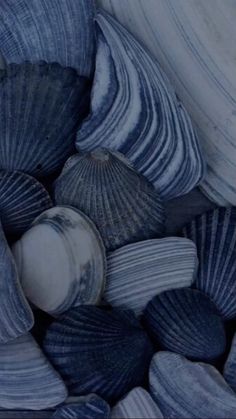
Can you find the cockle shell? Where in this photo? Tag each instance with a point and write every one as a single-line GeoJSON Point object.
{"type": "Point", "coordinates": [230, 366]}
{"type": "Point", "coordinates": [88, 407]}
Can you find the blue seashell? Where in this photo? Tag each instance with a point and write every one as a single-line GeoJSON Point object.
{"type": "Point", "coordinates": [41, 106]}
{"type": "Point", "coordinates": [137, 404]}
{"type": "Point", "coordinates": [98, 351]}
{"type": "Point", "coordinates": [139, 271]}
{"type": "Point", "coordinates": [61, 261]}
{"type": "Point", "coordinates": [230, 366]}
{"type": "Point", "coordinates": [59, 31]}
{"type": "Point", "coordinates": [121, 202]}
{"type": "Point", "coordinates": [134, 110]}
{"type": "Point", "coordinates": [186, 321]}
{"type": "Point", "coordinates": [27, 380]}
{"type": "Point", "coordinates": [183, 389]}
{"type": "Point", "coordinates": [87, 407]}
{"type": "Point", "coordinates": [214, 234]}
{"type": "Point", "coordinates": [22, 199]}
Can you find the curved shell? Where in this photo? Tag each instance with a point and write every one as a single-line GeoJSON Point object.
{"type": "Point", "coordinates": [230, 366]}
{"type": "Point", "coordinates": [134, 110]}
{"type": "Point", "coordinates": [186, 321]}
{"type": "Point", "coordinates": [22, 199]}
{"type": "Point", "coordinates": [41, 107]}
{"type": "Point", "coordinates": [139, 271]}
{"type": "Point", "coordinates": [99, 351]}
{"type": "Point", "coordinates": [214, 234]}
{"type": "Point", "coordinates": [88, 407]}
{"type": "Point", "coordinates": [61, 261]}
{"type": "Point", "coordinates": [183, 389]}
{"type": "Point", "coordinates": [59, 31]}
{"type": "Point", "coordinates": [121, 202]}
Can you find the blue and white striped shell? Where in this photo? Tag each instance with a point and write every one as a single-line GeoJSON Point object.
{"type": "Point", "coordinates": [87, 407]}
{"type": "Point", "coordinates": [230, 366]}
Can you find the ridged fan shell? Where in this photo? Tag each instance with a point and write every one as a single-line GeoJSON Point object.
{"type": "Point", "coordinates": [230, 366]}
{"type": "Point", "coordinates": [88, 407]}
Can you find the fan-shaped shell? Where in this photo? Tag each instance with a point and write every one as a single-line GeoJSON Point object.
{"type": "Point", "coordinates": [139, 271]}
{"type": "Point", "coordinates": [230, 366]}
{"type": "Point", "coordinates": [186, 321]}
{"type": "Point", "coordinates": [41, 106]}
{"type": "Point", "coordinates": [214, 234]}
{"type": "Point", "coordinates": [121, 202]}
{"type": "Point", "coordinates": [61, 261]}
{"type": "Point", "coordinates": [99, 351]}
{"type": "Point", "coordinates": [87, 407]}
{"type": "Point", "coordinates": [183, 389]}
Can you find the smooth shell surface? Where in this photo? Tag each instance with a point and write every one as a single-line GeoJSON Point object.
{"type": "Point", "coordinates": [99, 351]}
{"type": "Point", "coordinates": [186, 321]}
{"type": "Point", "coordinates": [61, 261]}
{"type": "Point", "coordinates": [139, 271]}
{"type": "Point", "coordinates": [122, 203]}
{"type": "Point", "coordinates": [134, 110]}
{"type": "Point", "coordinates": [41, 107]}
{"type": "Point", "coordinates": [183, 389]}
{"type": "Point", "coordinates": [230, 366]}
{"type": "Point", "coordinates": [88, 407]}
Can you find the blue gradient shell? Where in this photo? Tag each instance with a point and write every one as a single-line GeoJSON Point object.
{"type": "Point", "coordinates": [230, 366]}
{"type": "Point", "coordinates": [88, 407]}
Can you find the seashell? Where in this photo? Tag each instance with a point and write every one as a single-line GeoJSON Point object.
{"type": "Point", "coordinates": [137, 404]}
{"type": "Point", "coordinates": [59, 31]}
{"type": "Point", "coordinates": [98, 351]}
{"type": "Point", "coordinates": [16, 317]}
{"type": "Point", "coordinates": [134, 110]}
{"type": "Point", "coordinates": [87, 407]}
{"type": "Point", "coordinates": [230, 366]}
{"type": "Point", "coordinates": [37, 134]}
{"type": "Point", "coordinates": [186, 321]}
{"type": "Point", "coordinates": [27, 379]}
{"type": "Point", "coordinates": [61, 261]}
{"type": "Point", "coordinates": [184, 389]}
{"type": "Point", "coordinates": [214, 234]}
{"type": "Point", "coordinates": [25, 414]}
{"type": "Point", "coordinates": [121, 202]}
{"type": "Point", "coordinates": [139, 271]}
{"type": "Point", "coordinates": [22, 199]}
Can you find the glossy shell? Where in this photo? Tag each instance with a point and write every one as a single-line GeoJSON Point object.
{"type": "Point", "coordinates": [88, 407]}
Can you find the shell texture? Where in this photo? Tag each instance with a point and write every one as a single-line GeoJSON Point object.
{"type": "Point", "coordinates": [230, 366]}
{"type": "Point", "coordinates": [87, 407]}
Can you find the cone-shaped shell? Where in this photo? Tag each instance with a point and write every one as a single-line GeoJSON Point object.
{"type": "Point", "coordinates": [230, 366]}
{"type": "Point", "coordinates": [88, 407]}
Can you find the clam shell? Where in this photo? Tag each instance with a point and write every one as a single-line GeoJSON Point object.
{"type": "Point", "coordinates": [183, 389]}
{"type": "Point", "coordinates": [61, 261]}
{"type": "Point", "coordinates": [27, 380]}
{"type": "Point", "coordinates": [186, 321]}
{"type": "Point", "coordinates": [87, 407]}
{"type": "Point", "coordinates": [214, 234]}
{"type": "Point", "coordinates": [134, 110]}
{"type": "Point", "coordinates": [99, 351]}
{"type": "Point", "coordinates": [41, 106]}
{"type": "Point", "coordinates": [230, 366]}
{"type": "Point", "coordinates": [59, 31]}
{"type": "Point", "coordinates": [139, 271]}
{"type": "Point", "coordinates": [121, 202]}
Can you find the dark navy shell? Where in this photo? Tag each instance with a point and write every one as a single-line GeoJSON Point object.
{"type": "Point", "coordinates": [88, 407]}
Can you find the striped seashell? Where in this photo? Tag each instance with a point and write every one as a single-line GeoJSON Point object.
{"type": "Point", "coordinates": [87, 407]}
{"type": "Point", "coordinates": [230, 366]}
{"type": "Point", "coordinates": [183, 389]}
{"type": "Point", "coordinates": [139, 271]}
{"type": "Point", "coordinates": [134, 110]}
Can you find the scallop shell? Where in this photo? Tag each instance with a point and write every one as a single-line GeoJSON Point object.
{"type": "Point", "coordinates": [186, 321]}
{"type": "Point", "coordinates": [61, 261]}
{"type": "Point", "coordinates": [99, 351]}
{"type": "Point", "coordinates": [121, 202]}
{"type": "Point", "coordinates": [134, 110]}
{"type": "Point", "coordinates": [215, 236]}
{"type": "Point", "coordinates": [41, 107]}
{"type": "Point", "coordinates": [183, 389]}
{"type": "Point", "coordinates": [230, 366]}
{"type": "Point", "coordinates": [87, 407]}
{"type": "Point", "coordinates": [59, 31]}
{"type": "Point", "coordinates": [22, 199]}
{"type": "Point", "coordinates": [27, 380]}
{"type": "Point", "coordinates": [139, 271]}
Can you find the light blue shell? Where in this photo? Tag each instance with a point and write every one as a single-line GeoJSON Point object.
{"type": "Point", "coordinates": [230, 366]}
{"type": "Point", "coordinates": [88, 407]}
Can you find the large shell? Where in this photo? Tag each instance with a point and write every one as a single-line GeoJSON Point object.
{"type": "Point", "coordinates": [121, 202]}
{"type": "Point", "coordinates": [134, 110]}
{"type": "Point", "coordinates": [98, 351]}
{"type": "Point", "coordinates": [88, 407]}
{"type": "Point", "coordinates": [139, 271]}
{"type": "Point", "coordinates": [59, 31]}
{"type": "Point", "coordinates": [22, 199]}
{"type": "Point", "coordinates": [61, 261]}
{"type": "Point", "coordinates": [186, 321]}
{"type": "Point", "coordinates": [27, 380]}
{"type": "Point", "coordinates": [183, 389]}
{"type": "Point", "coordinates": [41, 107]}
{"type": "Point", "coordinates": [230, 366]}
{"type": "Point", "coordinates": [214, 234]}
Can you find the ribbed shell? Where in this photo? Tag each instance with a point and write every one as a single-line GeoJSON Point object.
{"type": "Point", "coordinates": [187, 322]}
{"type": "Point", "coordinates": [183, 389]}
{"type": "Point", "coordinates": [88, 407]}
{"type": "Point", "coordinates": [59, 31]}
{"type": "Point", "coordinates": [230, 366]}
{"type": "Point", "coordinates": [139, 271]}
{"type": "Point", "coordinates": [99, 351]}
{"type": "Point", "coordinates": [41, 106]}
{"type": "Point", "coordinates": [121, 202]}
{"type": "Point", "coordinates": [214, 234]}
